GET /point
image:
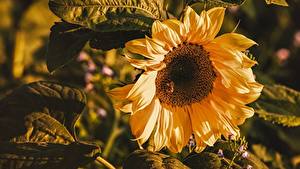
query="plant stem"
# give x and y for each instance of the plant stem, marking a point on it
(115, 132)
(105, 163)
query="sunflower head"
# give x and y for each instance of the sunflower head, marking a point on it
(193, 84)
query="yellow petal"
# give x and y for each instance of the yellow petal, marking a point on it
(138, 46)
(242, 113)
(192, 21)
(141, 46)
(126, 108)
(234, 41)
(226, 124)
(236, 112)
(156, 48)
(223, 54)
(181, 130)
(204, 123)
(247, 62)
(163, 129)
(232, 79)
(145, 64)
(177, 27)
(200, 146)
(163, 33)
(200, 33)
(216, 16)
(238, 98)
(143, 91)
(120, 92)
(142, 122)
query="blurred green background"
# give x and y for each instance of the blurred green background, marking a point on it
(24, 31)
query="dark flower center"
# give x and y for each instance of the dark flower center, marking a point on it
(187, 78)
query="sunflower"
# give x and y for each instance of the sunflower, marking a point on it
(193, 83)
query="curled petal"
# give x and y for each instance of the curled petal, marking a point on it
(181, 129)
(143, 91)
(163, 129)
(143, 122)
(234, 41)
(163, 33)
(216, 16)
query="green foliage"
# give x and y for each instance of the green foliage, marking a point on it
(152, 160)
(102, 22)
(205, 160)
(207, 4)
(279, 104)
(231, 156)
(61, 102)
(105, 24)
(15, 155)
(277, 2)
(37, 120)
(107, 16)
(274, 159)
(67, 40)
(43, 115)
(31, 28)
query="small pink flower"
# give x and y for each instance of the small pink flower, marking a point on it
(101, 112)
(233, 9)
(241, 148)
(89, 87)
(245, 154)
(88, 77)
(297, 39)
(83, 56)
(231, 136)
(91, 66)
(192, 141)
(220, 153)
(282, 55)
(107, 71)
(249, 167)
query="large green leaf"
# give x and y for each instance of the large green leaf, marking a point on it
(65, 42)
(206, 4)
(41, 127)
(279, 104)
(107, 16)
(64, 103)
(27, 34)
(152, 160)
(205, 160)
(232, 156)
(117, 39)
(277, 2)
(46, 155)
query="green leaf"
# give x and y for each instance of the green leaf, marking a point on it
(41, 127)
(65, 42)
(277, 2)
(30, 35)
(285, 120)
(63, 103)
(46, 155)
(205, 160)
(207, 4)
(108, 16)
(117, 39)
(174, 7)
(231, 152)
(152, 160)
(279, 104)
